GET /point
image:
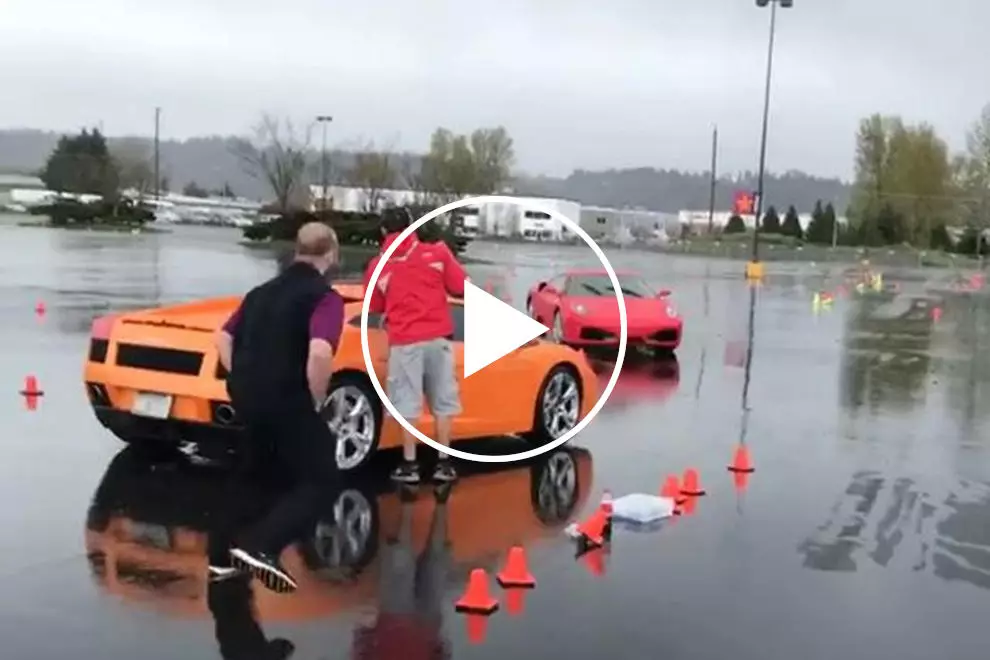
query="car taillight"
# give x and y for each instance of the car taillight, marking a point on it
(102, 326)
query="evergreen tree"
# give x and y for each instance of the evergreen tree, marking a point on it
(82, 164)
(771, 222)
(792, 224)
(735, 225)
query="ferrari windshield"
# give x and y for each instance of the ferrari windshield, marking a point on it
(600, 285)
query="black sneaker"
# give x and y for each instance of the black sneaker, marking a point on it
(407, 473)
(445, 472)
(267, 569)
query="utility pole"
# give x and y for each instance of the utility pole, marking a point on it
(711, 192)
(323, 120)
(786, 4)
(158, 179)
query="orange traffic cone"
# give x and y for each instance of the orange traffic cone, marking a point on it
(691, 485)
(742, 461)
(689, 506)
(477, 599)
(477, 626)
(592, 530)
(516, 574)
(672, 489)
(515, 601)
(39, 309)
(31, 393)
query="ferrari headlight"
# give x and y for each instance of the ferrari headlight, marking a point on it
(579, 309)
(671, 311)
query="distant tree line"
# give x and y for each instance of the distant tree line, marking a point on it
(908, 191)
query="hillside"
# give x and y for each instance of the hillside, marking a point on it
(209, 162)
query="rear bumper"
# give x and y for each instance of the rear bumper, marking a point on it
(123, 423)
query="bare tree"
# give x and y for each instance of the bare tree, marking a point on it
(373, 172)
(276, 154)
(133, 162)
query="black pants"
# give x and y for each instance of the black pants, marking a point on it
(291, 447)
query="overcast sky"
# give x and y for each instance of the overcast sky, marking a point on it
(579, 84)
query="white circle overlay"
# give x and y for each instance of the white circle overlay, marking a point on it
(486, 458)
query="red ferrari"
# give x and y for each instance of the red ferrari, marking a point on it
(581, 309)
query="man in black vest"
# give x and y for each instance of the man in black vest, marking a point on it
(278, 348)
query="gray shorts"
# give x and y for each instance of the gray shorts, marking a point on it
(425, 368)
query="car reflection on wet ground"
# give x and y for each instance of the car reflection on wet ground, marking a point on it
(864, 531)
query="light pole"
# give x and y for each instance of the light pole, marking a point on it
(755, 269)
(323, 120)
(711, 191)
(158, 180)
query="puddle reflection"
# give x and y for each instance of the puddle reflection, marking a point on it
(146, 536)
(897, 523)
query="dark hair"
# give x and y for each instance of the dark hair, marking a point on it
(395, 219)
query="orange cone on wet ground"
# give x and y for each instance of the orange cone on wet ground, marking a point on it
(742, 461)
(477, 626)
(592, 530)
(515, 601)
(31, 387)
(691, 484)
(477, 598)
(672, 489)
(516, 573)
(31, 393)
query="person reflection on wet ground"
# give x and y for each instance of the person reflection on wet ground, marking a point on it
(238, 632)
(247, 495)
(410, 619)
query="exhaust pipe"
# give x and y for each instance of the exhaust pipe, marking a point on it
(225, 414)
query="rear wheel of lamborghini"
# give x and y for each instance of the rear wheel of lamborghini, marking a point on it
(354, 416)
(558, 405)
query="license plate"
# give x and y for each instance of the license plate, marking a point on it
(149, 404)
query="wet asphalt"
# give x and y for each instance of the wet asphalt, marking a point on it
(863, 533)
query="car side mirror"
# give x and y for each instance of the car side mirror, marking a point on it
(663, 293)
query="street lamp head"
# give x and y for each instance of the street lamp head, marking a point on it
(786, 3)
(783, 3)
(324, 118)
(762, 3)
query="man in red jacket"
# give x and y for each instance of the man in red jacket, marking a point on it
(411, 292)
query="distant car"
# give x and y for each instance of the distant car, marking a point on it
(581, 309)
(154, 377)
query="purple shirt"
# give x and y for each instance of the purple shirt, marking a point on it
(326, 323)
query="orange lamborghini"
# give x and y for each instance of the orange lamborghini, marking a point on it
(146, 531)
(154, 375)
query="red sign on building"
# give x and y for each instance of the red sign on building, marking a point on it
(743, 202)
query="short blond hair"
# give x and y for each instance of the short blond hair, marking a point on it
(315, 239)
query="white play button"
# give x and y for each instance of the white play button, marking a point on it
(492, 329)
